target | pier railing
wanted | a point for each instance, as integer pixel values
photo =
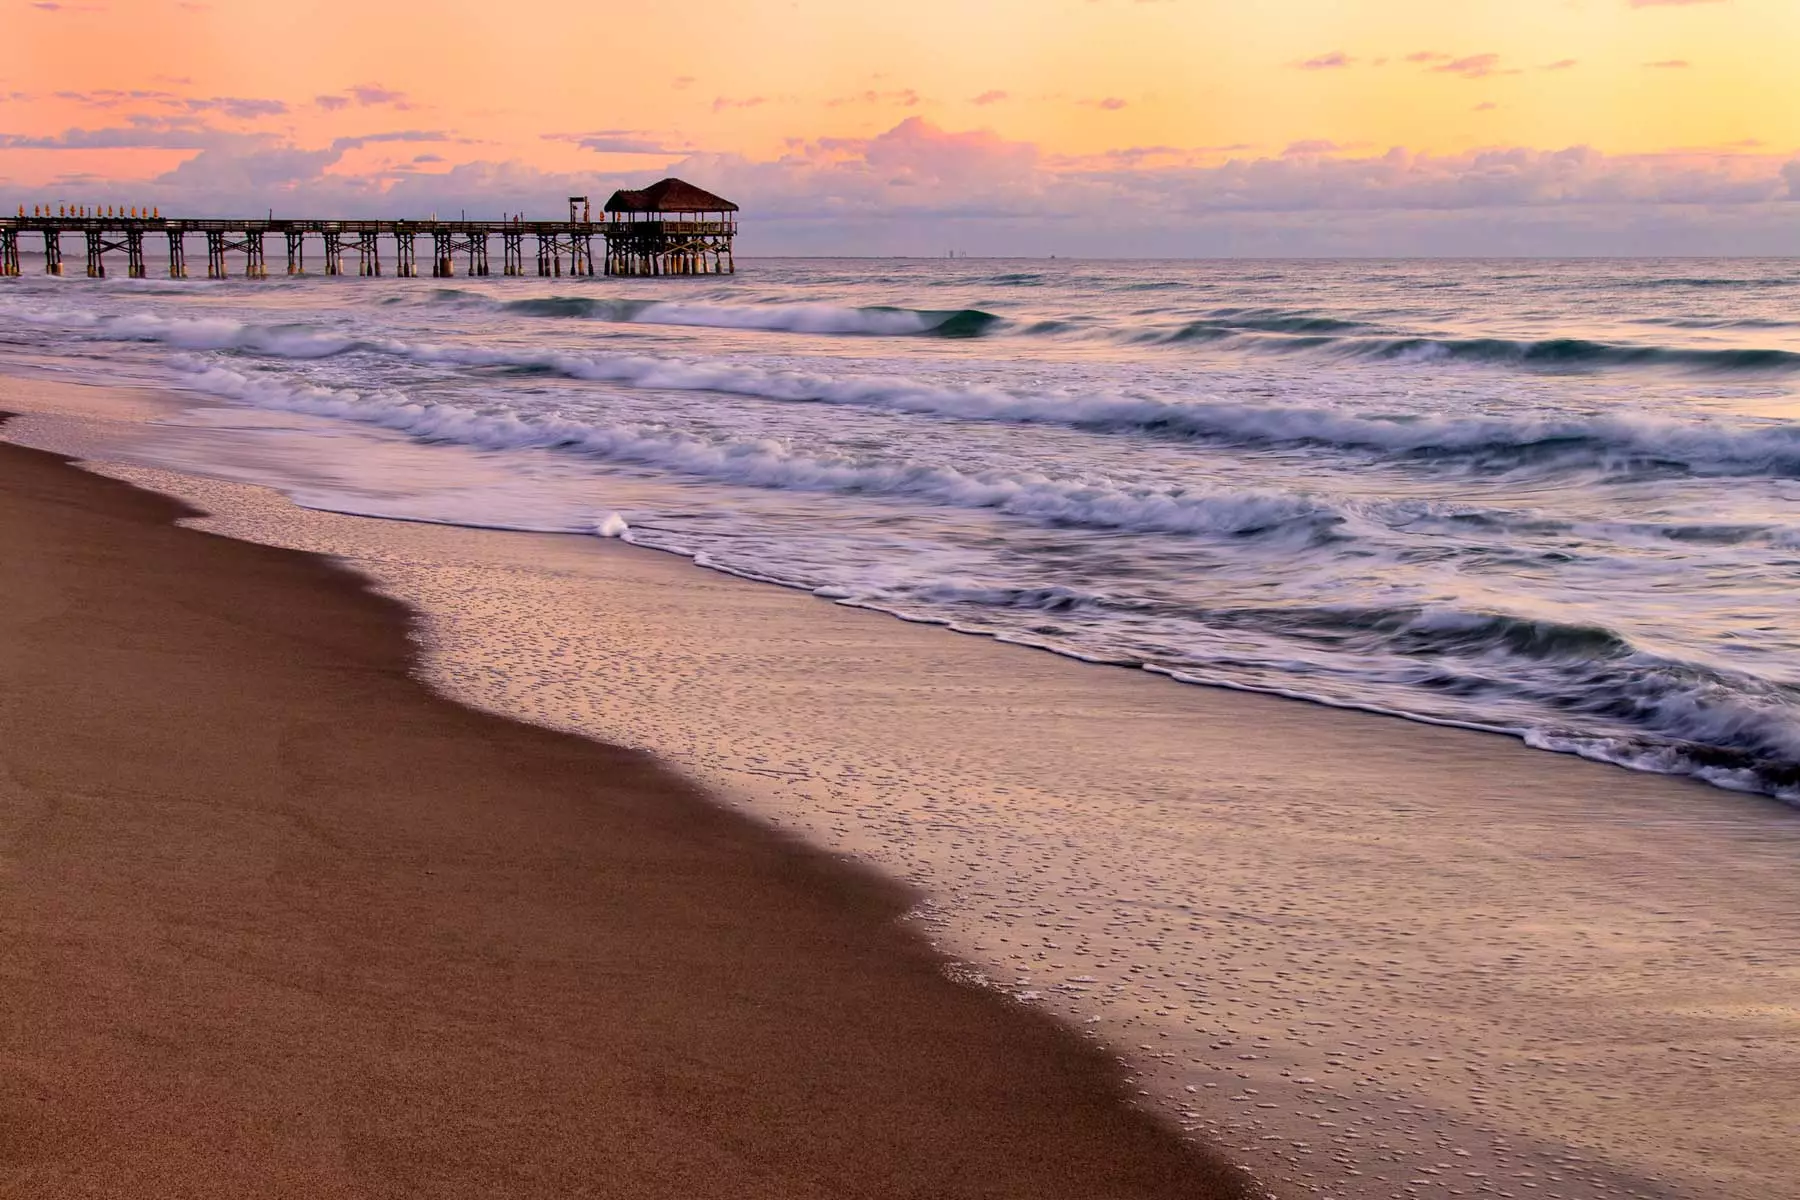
(671, 246)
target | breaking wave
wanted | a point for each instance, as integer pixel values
(1640, 710)
(877, 321)
(770, 464)
(1624, 442)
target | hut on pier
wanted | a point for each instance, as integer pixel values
(670, 228)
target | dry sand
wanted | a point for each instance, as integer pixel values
(1372, 958)
(277, 921)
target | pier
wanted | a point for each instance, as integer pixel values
(671, 228)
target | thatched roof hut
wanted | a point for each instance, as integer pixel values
(668, 196)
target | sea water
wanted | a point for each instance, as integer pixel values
(1556, 499)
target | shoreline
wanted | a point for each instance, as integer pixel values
(1403, 950)
(280, 921)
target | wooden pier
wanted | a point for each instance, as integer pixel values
(640, 240)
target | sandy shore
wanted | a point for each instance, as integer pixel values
(277, 921)
(1368, 958)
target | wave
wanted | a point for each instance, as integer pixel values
(1569, 353)
(877, 320)
(1614, 443)
(1254, 330)
(770, 464)
(1464, 667)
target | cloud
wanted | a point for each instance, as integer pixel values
(1336, 60)
(1669, 3)
(240, 107)
(1561, 64)
(682, 82)
(721, 103)
(370, 95)
(132, 137)
(907, 189)
(54, 7)
(904, 97)
(365, 95)
(1485, 106)
(990, 97)
(1427, 56)
(1473, 66)
(1670, 64)
(1309, 146)
(1105, 103)
(244, 164)
(615, 141)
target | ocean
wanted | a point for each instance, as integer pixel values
(1554, 499)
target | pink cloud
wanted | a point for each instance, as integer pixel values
(1336, 60)
(1670, 64)
(993, 97)
(1474, 66)
(898, 191)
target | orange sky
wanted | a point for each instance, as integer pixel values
(557, 87)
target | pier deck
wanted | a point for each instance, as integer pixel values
(634, 247)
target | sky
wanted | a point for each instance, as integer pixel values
(1144, 128)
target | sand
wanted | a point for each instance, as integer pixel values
(1369, 958)
(275, 920)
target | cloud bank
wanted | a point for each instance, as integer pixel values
(918, 188)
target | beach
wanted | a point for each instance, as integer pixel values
(279, 921)
(1355, 954)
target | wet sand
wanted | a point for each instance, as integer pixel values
(1368, 958)
(275, 920)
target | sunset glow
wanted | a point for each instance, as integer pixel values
(813, 110)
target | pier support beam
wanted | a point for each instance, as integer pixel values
(254, 267)
(478, 258)
(9, 252)
(406, 263)
(96, 254)
(512, 252)
(134, 254)
(368, 254)
(215, 254)
(177, 255)
(296, 252)
(53, 259)
(443, 261)
(334, 252)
